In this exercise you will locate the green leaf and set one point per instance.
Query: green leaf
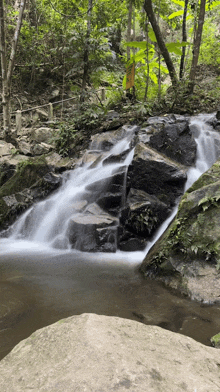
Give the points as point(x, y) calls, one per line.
point(179, 2)
point(175, 14)
point(152, 35)
point(174, 47)
point(137, 44)
point(124, 82)
point(153, 77)
point(212, 5)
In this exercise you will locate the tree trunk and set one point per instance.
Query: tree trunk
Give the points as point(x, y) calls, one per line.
point(130, 8)
point(196, 46)
point(184, 39)
point(86, 51)
point(5, 89)
point(150, 13)
point(7, 73)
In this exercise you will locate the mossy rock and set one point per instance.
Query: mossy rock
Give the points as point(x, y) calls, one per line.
point(23, 188)
point(194, 235)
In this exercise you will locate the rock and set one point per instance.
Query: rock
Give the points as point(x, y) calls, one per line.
point(140, 218)
point(144, 213)
point(93, 230)
point(176, 142)
point(32, 181)
point(190, 248)
point(24, 147)
point(156, 175)
point(106, 140)
point(6, 148)
point(100, 353)
point(42, 134)
point(42, 148)
point(6, 172)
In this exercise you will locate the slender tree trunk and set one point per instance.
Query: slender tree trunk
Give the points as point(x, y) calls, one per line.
point(184, 39)
point(148, 68)
point(196, 46)
point(5, 87)
point(86, 51)
point(7, 73)
point(130, 8)
point(151, 16)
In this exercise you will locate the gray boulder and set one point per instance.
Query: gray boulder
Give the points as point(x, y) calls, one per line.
point(156, 175)
point(176, 142)
point(187, 256)
point(94, 353)
point(93, 230)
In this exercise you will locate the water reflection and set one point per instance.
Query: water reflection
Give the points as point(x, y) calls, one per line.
point(38, 288)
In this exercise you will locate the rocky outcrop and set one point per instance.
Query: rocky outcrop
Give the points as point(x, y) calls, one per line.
point(101, 353)
point(139, 196)
point(188, 254)
point(32, 181)
point(156, 175)
point(93, 230)
point(175, 141)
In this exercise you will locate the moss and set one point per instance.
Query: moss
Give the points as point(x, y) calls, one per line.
point(215, 340)
point(27, 174)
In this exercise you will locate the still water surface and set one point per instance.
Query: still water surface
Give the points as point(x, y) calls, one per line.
point(38, 288)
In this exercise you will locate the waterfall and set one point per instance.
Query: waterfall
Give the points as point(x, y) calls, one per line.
point(47, 224)
point(48, 221)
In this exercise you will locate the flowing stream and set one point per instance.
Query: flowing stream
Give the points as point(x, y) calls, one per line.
point(43, 280)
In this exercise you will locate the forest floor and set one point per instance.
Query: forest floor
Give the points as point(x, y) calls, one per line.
point(74, 123)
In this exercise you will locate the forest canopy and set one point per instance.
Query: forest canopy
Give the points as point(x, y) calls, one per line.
point(84, 45)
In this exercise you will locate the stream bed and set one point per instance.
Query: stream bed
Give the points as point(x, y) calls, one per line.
point(38, 288)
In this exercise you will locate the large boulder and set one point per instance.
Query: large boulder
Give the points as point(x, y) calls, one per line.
point(156, 175)
point(176, 142)
point(93, 230)
point(188, 254)
point(32, 181)
point(140, 217)
point(100, 353)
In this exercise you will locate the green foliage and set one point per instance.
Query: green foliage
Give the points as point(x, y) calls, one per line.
point(64, 138)
point(210, 51)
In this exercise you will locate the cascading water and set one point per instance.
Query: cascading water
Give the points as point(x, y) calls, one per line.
point(46, 224)
point(208, 151)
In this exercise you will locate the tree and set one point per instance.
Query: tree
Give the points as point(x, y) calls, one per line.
point(164, 51)
point(86, 49)
point(7, 70)
point(196, 44)
point(184, 39)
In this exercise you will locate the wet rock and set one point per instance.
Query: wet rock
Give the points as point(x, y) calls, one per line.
point(106, 140)
point(6, 172)
point(32, 181)
point(187, 256)
point(100, 353)
point(176, 142)
point(93, 230)
point(156, 175)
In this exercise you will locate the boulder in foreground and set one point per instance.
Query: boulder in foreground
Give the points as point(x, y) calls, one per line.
point(94, 353)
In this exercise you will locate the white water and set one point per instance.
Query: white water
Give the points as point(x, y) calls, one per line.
point(45, 224)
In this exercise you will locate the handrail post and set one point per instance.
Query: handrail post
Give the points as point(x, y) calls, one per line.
point(18, 121)
point(50, 112)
